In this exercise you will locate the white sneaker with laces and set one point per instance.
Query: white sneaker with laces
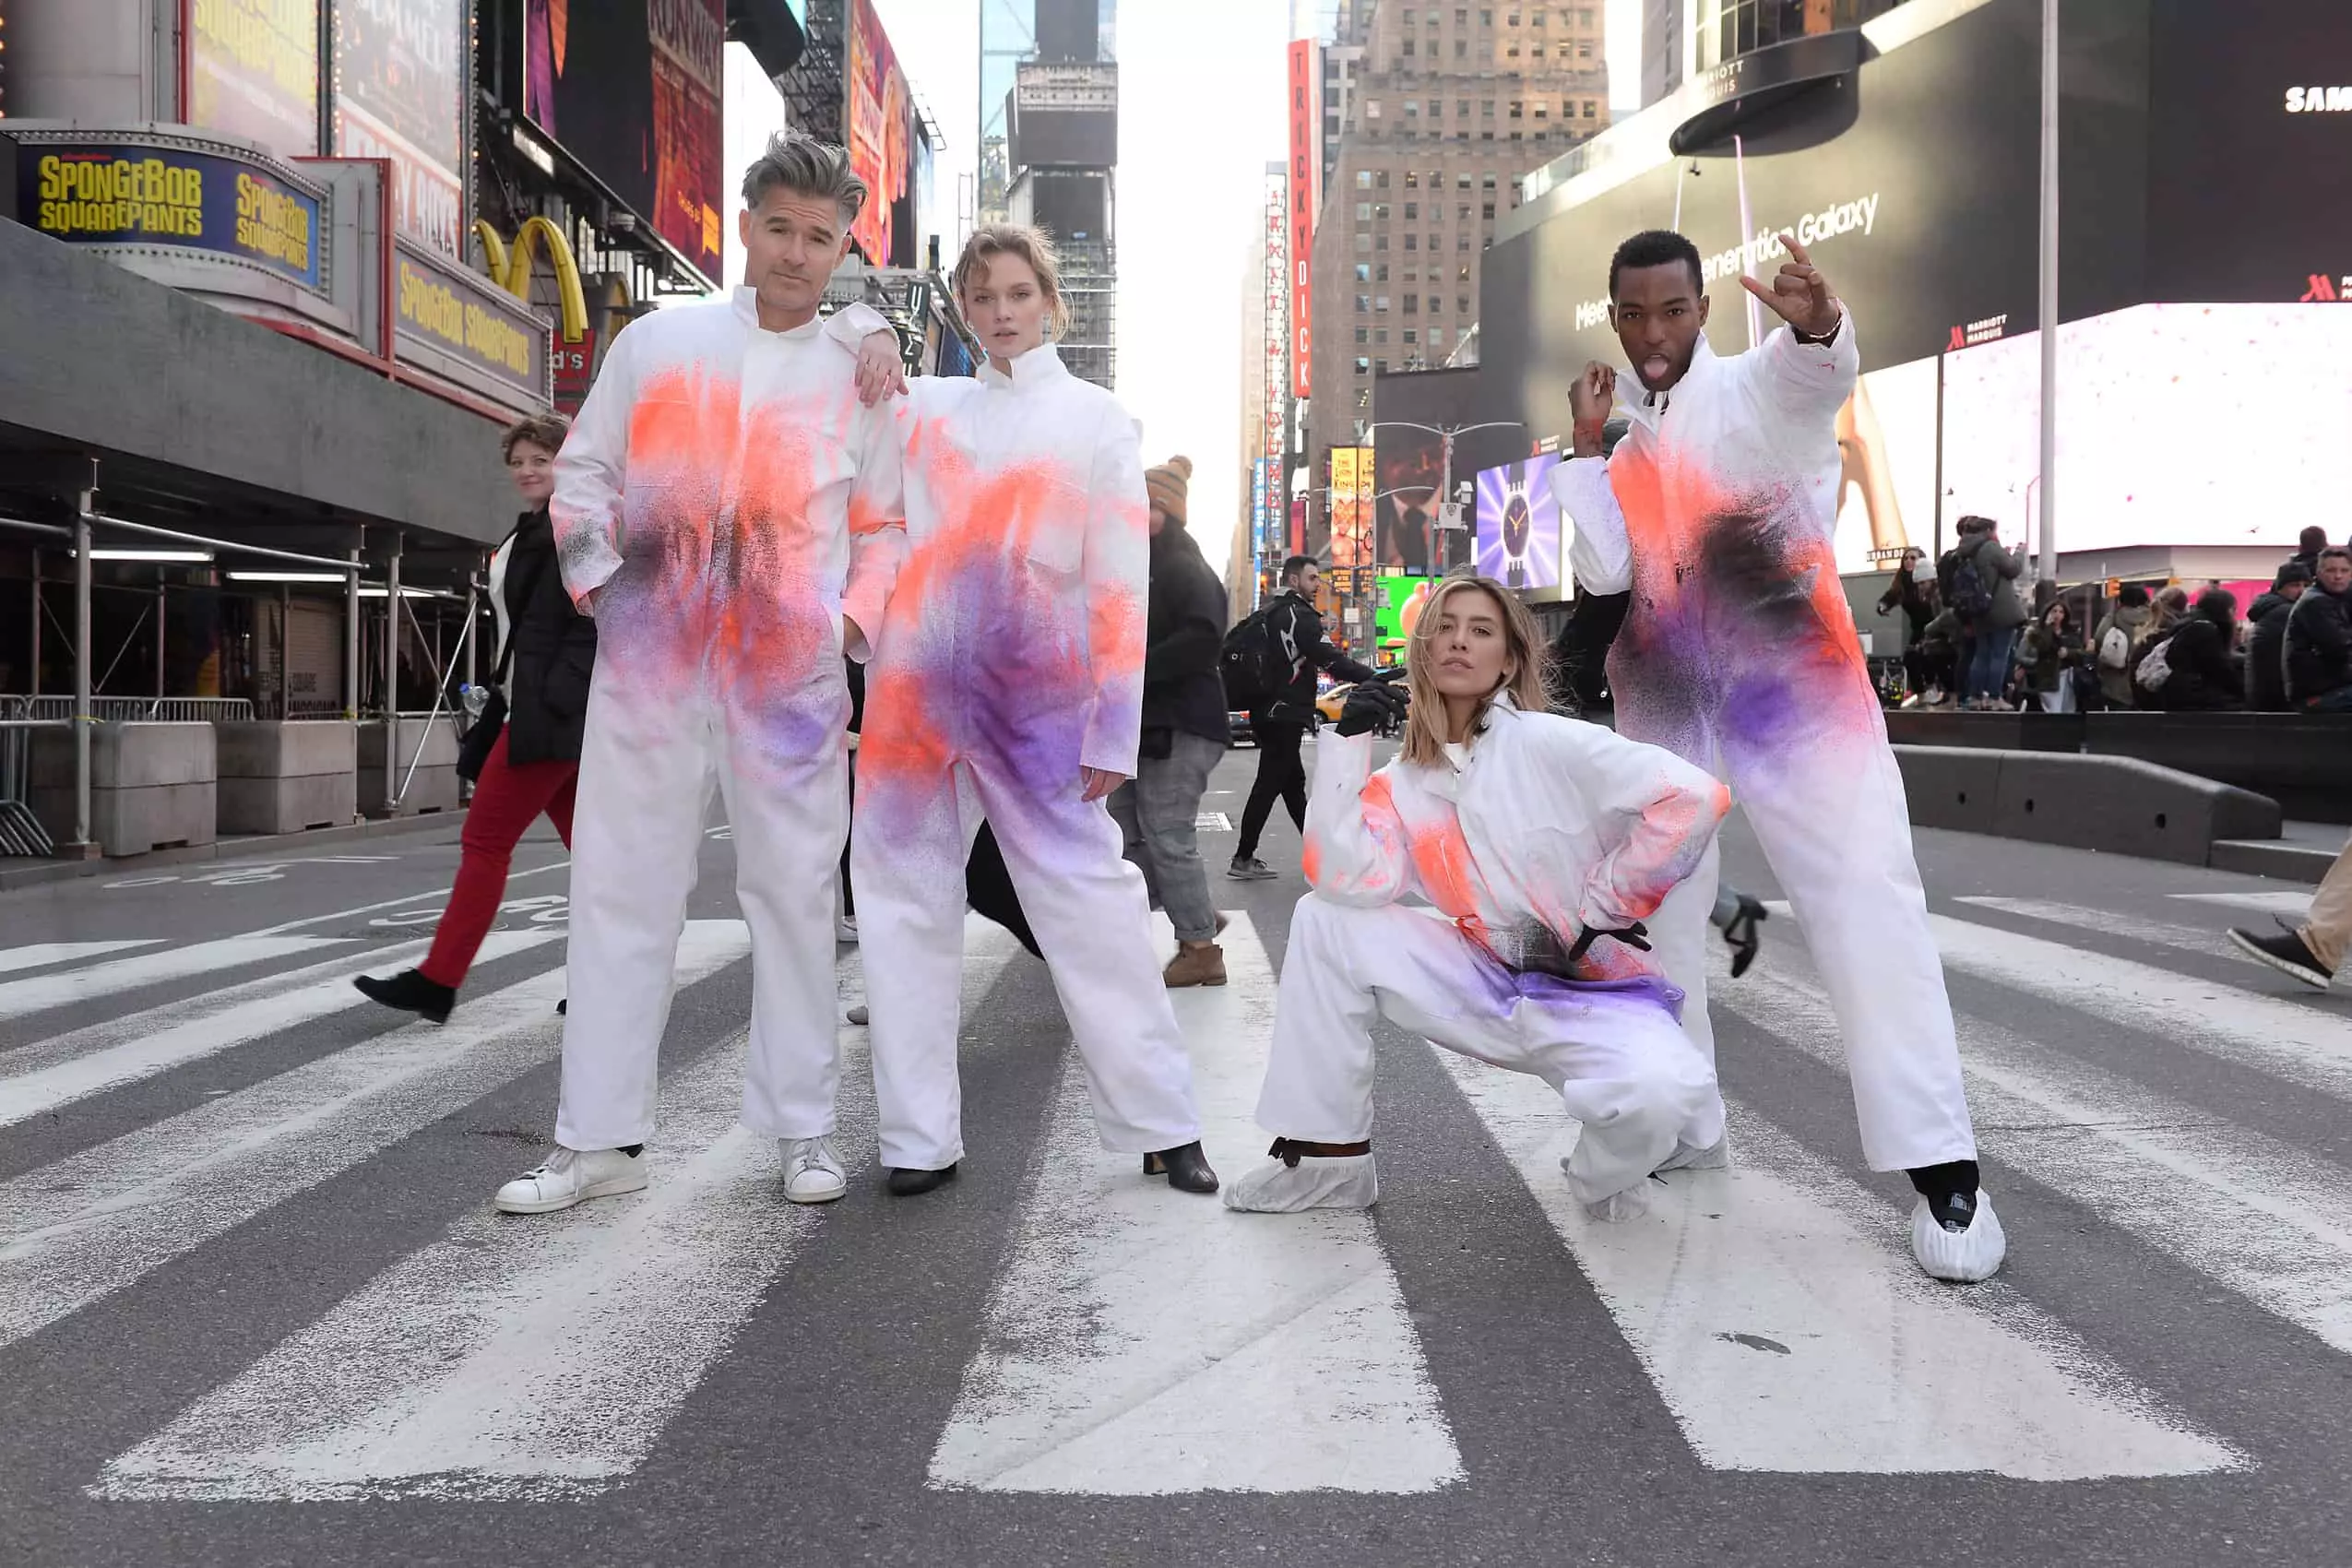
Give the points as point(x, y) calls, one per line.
point(813, 1171)
point(572, 1176)
point(1962, 1256)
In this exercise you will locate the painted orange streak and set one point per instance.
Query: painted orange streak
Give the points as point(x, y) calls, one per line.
point(684, 418)
point(1442, 856)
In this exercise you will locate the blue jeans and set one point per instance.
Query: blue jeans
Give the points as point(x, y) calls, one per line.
point(1989, 665)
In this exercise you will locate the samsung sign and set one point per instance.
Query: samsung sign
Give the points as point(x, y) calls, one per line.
point(2318, 100)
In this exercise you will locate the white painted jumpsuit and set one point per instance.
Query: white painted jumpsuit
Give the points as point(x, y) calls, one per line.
point(1719, 512)
point(726, 498)
point(1010, 657)
point(1542, 828)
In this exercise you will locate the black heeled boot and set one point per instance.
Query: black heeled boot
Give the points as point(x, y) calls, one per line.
point(411, 992)
point(1185, 1167)
point(914, 1183)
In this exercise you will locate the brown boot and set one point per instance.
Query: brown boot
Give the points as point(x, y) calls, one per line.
point(1196, 963)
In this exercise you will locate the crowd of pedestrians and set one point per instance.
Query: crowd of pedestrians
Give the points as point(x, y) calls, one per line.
point(1979, 635)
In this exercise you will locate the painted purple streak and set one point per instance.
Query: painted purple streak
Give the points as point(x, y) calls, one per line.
point(1765, 714)
point(1501, 989)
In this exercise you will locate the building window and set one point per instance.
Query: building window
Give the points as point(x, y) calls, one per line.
point(1411, 337)
point(1433, 245)
point(1379, 273)
point(1518, 110)
point(1380, 241)
point(1461, 49)
point(1363, 272)
point(1436, 303)
point(1437, 337)
point(1380, 302)
point(1461, 241)
point(1513, 52)
point(1590, 112)
point(1486, 110)
point(1380, 367)
point(1486, 181)
point(1461, 108)
point(1408, 49)
point(1514, 18)
point(1538, 18)
point(1364, 365)
point(1364, 240)
point(1380, 211)
point(1363, 302)
point(1412, 242)
point(1363, 399)
point(1486, 18)
point(1461, 15)
point(1541, 109)
point(1412, 183)
point(1412, 208)
point(1462, 302)
point(1462, 183)
point(1364, 213)
point(1381, 178)
point(1380, 336)
point(1364, 335)
point(1412, 306)
point(1363, 179)
point(1408, 18)
point(1372, 108)
point(1488, 212)
point(1412, 109)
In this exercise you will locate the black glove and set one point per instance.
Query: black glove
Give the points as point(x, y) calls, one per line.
point(1635, 936)
point(1377, 704)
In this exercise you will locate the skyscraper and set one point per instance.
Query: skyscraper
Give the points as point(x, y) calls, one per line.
point(1666, 41)
point(1049, 152)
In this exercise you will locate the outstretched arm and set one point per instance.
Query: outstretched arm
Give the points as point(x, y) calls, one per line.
point(1810, 369)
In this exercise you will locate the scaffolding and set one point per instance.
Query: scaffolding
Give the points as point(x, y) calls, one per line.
point(1091, 285)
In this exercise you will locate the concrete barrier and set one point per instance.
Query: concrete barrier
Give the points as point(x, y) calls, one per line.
point(284, 776)
point(2302, 760)
point(152, 786)
point(1994, 731)
point(2114, 805)
point(435, 788)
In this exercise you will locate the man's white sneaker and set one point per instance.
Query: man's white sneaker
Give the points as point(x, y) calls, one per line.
point(1964, 1257)
point(1619, 1208)
point(572, 1176)
point(813, 1171)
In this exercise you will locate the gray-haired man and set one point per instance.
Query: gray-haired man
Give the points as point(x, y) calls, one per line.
point(728, 508)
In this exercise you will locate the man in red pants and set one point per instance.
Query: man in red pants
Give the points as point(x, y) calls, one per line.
point(546, 653)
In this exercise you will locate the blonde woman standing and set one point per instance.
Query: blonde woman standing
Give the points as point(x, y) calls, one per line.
point(1544, 843)
point(1008, 685)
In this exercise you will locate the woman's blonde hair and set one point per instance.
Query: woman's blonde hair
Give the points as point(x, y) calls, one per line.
point(1522, 676)
point(992, 240)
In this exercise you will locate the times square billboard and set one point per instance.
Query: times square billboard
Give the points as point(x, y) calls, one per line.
point(2207, 244)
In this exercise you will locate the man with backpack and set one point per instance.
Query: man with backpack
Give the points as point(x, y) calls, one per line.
point(1984, 593)
point(2118, 637)
point(1270, 664)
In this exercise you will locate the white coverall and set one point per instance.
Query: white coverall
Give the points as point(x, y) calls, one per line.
point(1011, 656)
point(1543, 828)
point(726, 499)
point(1719, 512)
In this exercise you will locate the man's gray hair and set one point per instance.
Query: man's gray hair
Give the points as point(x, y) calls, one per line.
point(806, 167)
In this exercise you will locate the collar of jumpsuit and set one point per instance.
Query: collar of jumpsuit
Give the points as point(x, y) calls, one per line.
point(1039, 365)
point(1652, 406)
point(1447, 783)
point(746, 302)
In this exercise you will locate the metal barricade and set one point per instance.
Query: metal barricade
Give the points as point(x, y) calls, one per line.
point(138, 711)
point(20, 831)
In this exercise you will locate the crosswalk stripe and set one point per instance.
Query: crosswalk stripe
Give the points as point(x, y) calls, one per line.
point(139, 1045)
point(85, 1227)
point(2279, 902)
point(2249, 1212)
point(1290, 1366)
point(40, 992)
point(517, 1357)
point(2302, 1044)
point(40, 955)
point(2157, 934)
point(1776, 1309)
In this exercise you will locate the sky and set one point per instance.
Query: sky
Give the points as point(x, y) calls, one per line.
point(1201, 111)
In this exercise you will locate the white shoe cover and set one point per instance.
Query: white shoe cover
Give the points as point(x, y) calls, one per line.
point(1964, 1257)
point(1717, 1156)
point(1619, 1208)
point(1342, 1182)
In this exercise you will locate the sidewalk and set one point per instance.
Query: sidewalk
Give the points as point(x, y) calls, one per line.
point(2302, 853)
point(15, 873)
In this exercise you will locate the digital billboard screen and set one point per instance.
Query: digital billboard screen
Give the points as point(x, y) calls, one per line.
point(881, 121)
point(252, 73)
point(631, 89)
point(400, 95)
point(1518, 531)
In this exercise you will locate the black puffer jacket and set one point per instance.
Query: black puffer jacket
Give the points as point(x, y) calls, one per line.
point(550, 651)
point(1298, 632)
point(2266, 652)
point(1184, 636)
point(2319, 644)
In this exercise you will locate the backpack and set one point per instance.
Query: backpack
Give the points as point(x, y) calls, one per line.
point(2115, 648)
point(1970, 599)
point(2156, 666)
point(1252, 663)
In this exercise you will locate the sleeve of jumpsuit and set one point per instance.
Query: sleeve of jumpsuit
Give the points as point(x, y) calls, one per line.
point(1600, 553)
point(877, 525)
point(1802, 386)
point(1355, 849)
point(1116, 572)
point(591, 474)
point(1654, 815)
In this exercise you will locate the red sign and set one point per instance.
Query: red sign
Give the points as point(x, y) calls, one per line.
point(1306, 170)
point(575, 367)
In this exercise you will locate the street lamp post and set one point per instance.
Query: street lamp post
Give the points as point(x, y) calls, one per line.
point(1445, 434)
point(2049, 292)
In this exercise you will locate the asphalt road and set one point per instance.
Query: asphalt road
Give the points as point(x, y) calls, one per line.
point(254, 1308)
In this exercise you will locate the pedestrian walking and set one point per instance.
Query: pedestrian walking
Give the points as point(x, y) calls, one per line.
point(1008, 681)
point(1282, 722)
point(1546, 842)
point(1184, 732)
point(728, 512)
point(523, 752)
point(2314, 950)
point(1740, 655)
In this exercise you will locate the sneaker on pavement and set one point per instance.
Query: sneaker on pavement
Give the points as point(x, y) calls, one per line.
point(813, 1171)
point(1196, 963)
point(846, 929)
point(1250, 869)
point(2286, 953)
point(1619, 1208)
point(572, 1176)
point(1958, 1237)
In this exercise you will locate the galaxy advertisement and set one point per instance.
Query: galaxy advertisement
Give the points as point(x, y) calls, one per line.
point(881, 120)
point(630, 90)
point(400, 95)
point(1518, 525)
point(252, 73)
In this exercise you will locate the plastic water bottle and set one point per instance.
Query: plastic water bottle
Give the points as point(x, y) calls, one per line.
point(475, 699)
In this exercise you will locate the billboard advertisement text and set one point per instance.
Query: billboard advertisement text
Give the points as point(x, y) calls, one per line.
point(400, 95)
point(880, 121)
point(252, 72)
point(166, 197)
point(1351, 505)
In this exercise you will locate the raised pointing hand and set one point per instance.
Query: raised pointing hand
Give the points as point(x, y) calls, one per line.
point(1798, 294)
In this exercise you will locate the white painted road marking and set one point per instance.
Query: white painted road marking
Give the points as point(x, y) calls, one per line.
point(41, 993)
point(2292, 904)
point(519, 1357)
point(2157, 934)
point(139, 1045)
point(1287, 1362)
point(1776, 1308)
point(40, 955)
point(90, 1225)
